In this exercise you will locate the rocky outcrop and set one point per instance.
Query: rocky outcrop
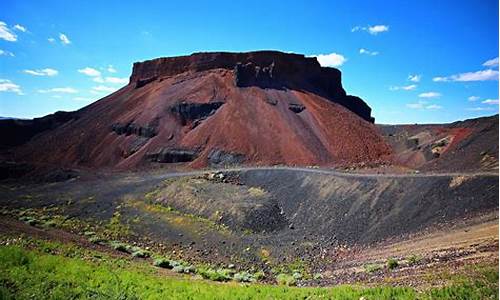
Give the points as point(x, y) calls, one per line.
point(296, 108)
point(265, 69)
point(187, 112)
point(132, 128)
point(172, 155)
point(220, 158)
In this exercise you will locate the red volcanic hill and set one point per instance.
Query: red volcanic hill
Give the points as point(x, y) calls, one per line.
point(211, 109)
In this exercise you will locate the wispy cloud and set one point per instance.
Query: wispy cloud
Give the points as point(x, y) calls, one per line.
point(116, 80)
point(90, 72)
point(6, 53)
point(103, 88)
point(51, 40)
point(433, 106)
point(8, 86)
point(20, 28)
point(430, 95)
point(368, 52)
point(66, 90)
point(373, 30)
point(473, 98)
point(42, 72)
point(483, 75)
point(421, 104)
point(64, 39)
point(414, 78)
point(491, 63)
point(111, 69)
point(6, 33)
point(410, 87)
point(490, 101)
point(330, 60)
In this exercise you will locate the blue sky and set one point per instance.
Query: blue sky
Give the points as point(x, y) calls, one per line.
point(411, 61)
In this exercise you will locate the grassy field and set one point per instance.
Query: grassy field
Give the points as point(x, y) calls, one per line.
point(47, 270)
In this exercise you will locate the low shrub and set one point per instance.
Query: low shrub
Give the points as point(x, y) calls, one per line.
point(370, 268)
point(244, 277)
point(141, 253)
point(414, 259)
point(216, 275)
point(392, 263)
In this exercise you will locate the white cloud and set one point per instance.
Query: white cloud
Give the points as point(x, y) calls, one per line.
point(430, 95)
point(440, 79)
point(6, 53)
point(42, 72)
point(8, 86)
point(103, 88)
point(418, 105)
point(67, 90)
point(116, 80)
point(111, 69)
point(414, 78)
point(491, 63)
point(368, 52)
point(64, 39)
point(410, 87)
point(378, 29)
point(6, 33)
point(433, 106)
point(330, 60)
point(20, 28)
point(90, 72)
point(473, 98)
point(56, 96)
point(490, 101)
point(483, 75)
point(373, 30)
point(51, 40)
point(421, 104)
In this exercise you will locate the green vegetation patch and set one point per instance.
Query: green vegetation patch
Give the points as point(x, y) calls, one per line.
point(45, 272)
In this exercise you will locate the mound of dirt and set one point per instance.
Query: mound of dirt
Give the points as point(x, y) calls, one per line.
point(235, 205)
point(259, 108)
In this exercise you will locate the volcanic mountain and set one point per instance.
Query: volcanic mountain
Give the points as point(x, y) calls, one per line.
point(210, 109)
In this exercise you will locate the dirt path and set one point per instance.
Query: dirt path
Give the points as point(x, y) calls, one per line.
point(330, 172)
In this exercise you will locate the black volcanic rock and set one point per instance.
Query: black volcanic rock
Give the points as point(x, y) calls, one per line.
point(194, 111)
point(132, 128)
point(265, 69)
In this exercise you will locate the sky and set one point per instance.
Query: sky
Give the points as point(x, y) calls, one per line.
point(411, 61)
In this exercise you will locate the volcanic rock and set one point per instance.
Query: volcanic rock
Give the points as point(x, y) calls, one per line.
point(263, 108)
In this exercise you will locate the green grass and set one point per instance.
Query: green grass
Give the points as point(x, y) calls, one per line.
point(45, 270)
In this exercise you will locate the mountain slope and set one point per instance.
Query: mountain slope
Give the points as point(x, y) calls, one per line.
point(214, 109)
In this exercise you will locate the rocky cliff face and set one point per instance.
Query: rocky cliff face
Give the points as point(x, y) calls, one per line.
point(264, 69)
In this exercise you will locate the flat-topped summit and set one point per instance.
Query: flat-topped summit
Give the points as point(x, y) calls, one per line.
point(265, 69)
